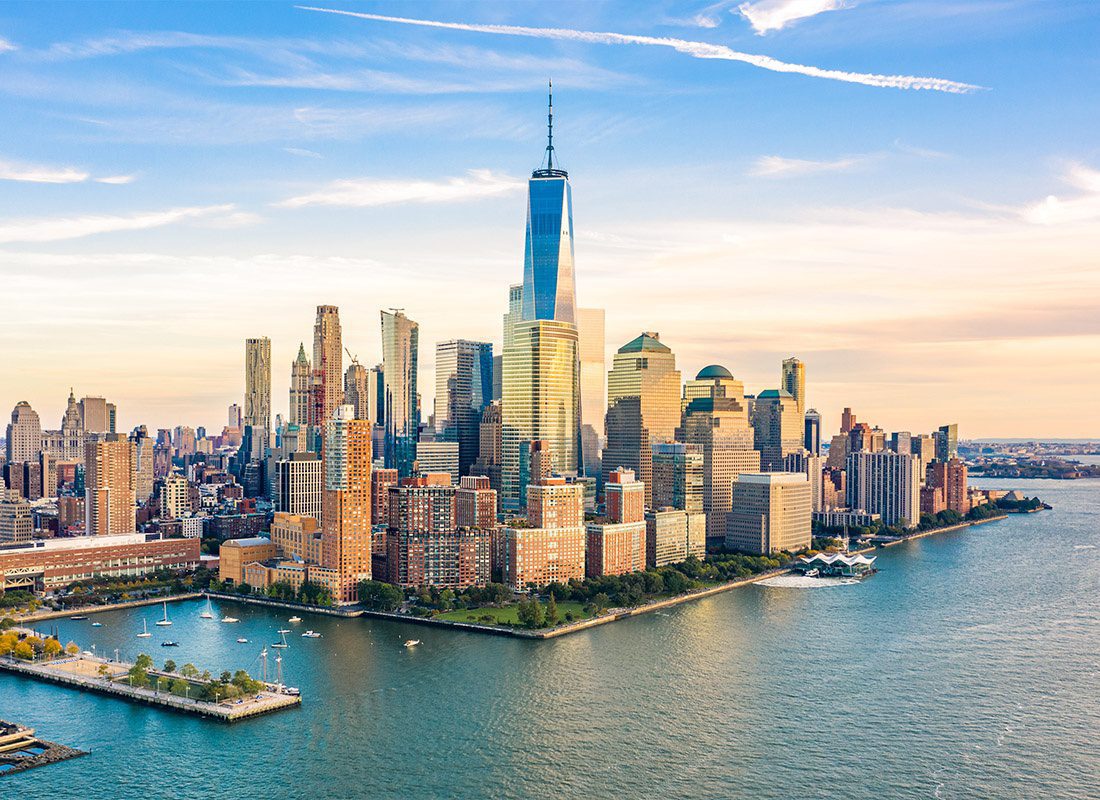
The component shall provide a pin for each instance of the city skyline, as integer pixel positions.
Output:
(915, 306)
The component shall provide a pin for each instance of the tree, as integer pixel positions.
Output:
(529, 613)
(72, 648)
(169, 666)
(179, 686)
(24, 651)
(189, 670)
(551, 611)
(139, 676)
(103, 671)
(225, 677)
(52, 647)
(143, 662)
(378, 596)
(8, 642)
(601, 602)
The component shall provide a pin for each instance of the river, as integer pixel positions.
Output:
(969, 666)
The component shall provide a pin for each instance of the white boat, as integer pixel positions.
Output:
(311, 635)
(242, 640)
(97, 624)
(283, 643)
(164, 622)
(230, 619)
(144, 630)
(412, 642)
(208, 612)
(295, 619)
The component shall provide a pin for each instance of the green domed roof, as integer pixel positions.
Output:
(713, 371)
(647, 341)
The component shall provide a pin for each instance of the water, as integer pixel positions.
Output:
(968, 667)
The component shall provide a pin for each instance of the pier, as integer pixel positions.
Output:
(20, 749)
(102, 676)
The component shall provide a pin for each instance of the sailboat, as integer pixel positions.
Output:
(208, 612)
(144, 630)
(283, 643)
(164, 622)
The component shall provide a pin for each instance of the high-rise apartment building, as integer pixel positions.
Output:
(328, 366)
(779, 428)
(143, 463)
(361, 391)
(437, 457)
(489, 455)
(643, 406)
(617, 545)
(66, 444)
(475, 503)
(346, 502)
(400, 348)
(793, 380)
(109, 485)
(175, 500)
(257, 384)
(901, 442)
(298, 481)
(924, 448)
(813, 468)
(771, 512)
(678, 477)
(885, 483)
(951, 477)
(552, 548)
(95, 415)
(463, 388)
(716, 420)
(947, 442)
(24, 434)
(593, 386)
(301, 382)
(812, 432)
(674, 535)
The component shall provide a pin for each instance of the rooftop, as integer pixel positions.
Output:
(646, 342)
(713, 371)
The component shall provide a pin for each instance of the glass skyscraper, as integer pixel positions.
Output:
(463, 385)
(400, 345)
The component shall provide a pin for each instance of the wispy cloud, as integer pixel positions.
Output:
(6, 46)
(774, 15)
(301, 151)
(117, 180)
(703, 50)
(780, 167)
(55, 229)
(476, 184)
(33, 173)
(1054, 210)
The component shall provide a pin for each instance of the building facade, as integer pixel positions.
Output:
(346, 502)
(463, 388)
(771, 512)
(400, 348)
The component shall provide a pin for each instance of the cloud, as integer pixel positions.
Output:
(30, 173)
(703, 50)
(1054, 210)
(54, 229)
(367, 192)
(301, 151)
(117, 180)
(780, 167)
(774, 15)
(6, 46)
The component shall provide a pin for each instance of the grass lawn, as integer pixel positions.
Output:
(507, 614)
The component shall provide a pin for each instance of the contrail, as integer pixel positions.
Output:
(693, 49)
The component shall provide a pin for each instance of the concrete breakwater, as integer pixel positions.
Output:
(84, 610)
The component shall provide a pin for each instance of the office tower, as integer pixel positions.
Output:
(793, 380)
(66, 444)
(885, 483)
(475, 503)
(437, 457)
(901, 442)
(328, 366)
(771, 512)
(400, 346)
(425, 545)
(947, 442)
(539, 400)
(489, 449)
(234, 416)
(184, 439)
(463, 387)
(301, 380)
(847, 420)
(94, 416)
(346, 503)
(552, 548)
(16, 523)
(643, 406)
(951, 477)
(143, 464)
(109, 485)
(257, 384)
(861, 438)
(175, 498)
(838, 452)
(674, 535)
(812, 432)
(593, 386)
(24, 434)
(813, 468)
(513, 315)
(716, 419)
(924, 448)
(359, 393)
(297, 488)
(616, 545)
(779, 428)
(678, 477)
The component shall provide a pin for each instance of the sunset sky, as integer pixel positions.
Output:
(903, 193)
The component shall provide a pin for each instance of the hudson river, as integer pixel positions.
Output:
(968, 667)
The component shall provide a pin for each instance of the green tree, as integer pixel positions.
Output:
(189, 670)
(529, 613)
(601, 602)
(139, 676)
(551, 612)
(225, 677)
(143, 662)
(378, 596)
(179, 687)
(169, 666)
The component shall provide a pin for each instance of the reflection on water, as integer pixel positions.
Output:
(962, 669)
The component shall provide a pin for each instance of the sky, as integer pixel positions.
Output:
(905, 194)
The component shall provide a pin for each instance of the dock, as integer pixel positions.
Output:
(21, 750)
(99, 675)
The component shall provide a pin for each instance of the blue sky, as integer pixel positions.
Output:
(176, 177)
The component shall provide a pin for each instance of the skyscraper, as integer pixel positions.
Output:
(643, 407)
(361, 391)
(328, 365)
(463, 386)
(779, 428)
(298, 483)
(94, 415)
(812, 432)
(400, 347)
(346, 503)
(947, 442)
(716, 418)
(24, 434)
(143, 463)
(301, 379)
(257, 384)
(771, 512)
(593, 386)
(678, 477)
(109, 485)
(885, 483)
(793, 379)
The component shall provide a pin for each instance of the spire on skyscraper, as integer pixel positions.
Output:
(550, 171)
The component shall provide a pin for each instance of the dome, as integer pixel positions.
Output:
(713, 371)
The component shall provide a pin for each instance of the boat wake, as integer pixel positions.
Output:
(802, 582)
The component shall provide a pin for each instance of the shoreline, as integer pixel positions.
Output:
(145, 601)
